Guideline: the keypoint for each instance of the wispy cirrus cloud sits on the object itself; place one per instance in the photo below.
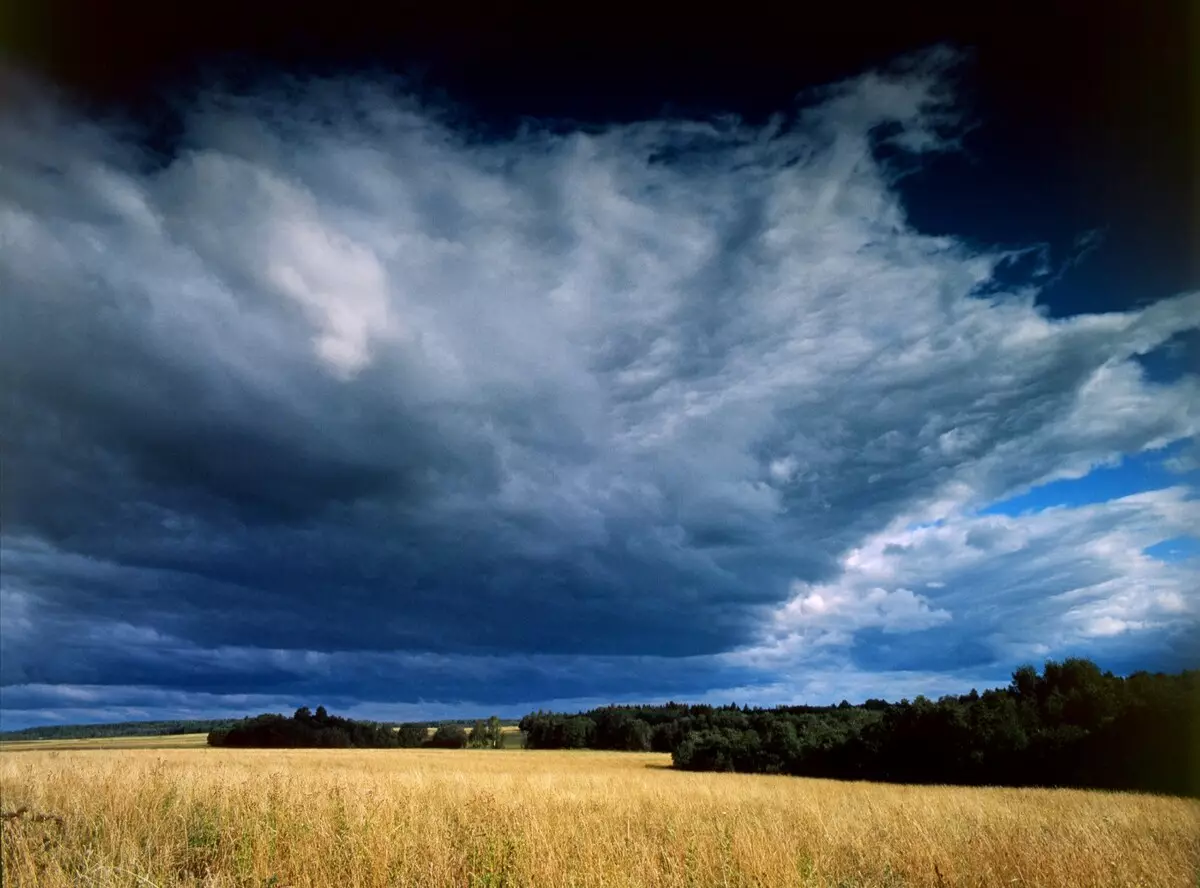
(338, 384)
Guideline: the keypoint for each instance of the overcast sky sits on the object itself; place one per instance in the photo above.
(344, 379)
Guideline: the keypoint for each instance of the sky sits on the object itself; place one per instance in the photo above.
(444, 365)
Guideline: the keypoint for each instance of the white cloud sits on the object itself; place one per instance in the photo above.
(829, 606)
(1026, 585)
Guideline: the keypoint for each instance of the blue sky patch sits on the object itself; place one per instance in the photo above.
(1180, 548)
(1134, 474)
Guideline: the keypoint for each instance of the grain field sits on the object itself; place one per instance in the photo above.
(270, 819)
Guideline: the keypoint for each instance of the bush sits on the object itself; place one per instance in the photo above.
(449, 737)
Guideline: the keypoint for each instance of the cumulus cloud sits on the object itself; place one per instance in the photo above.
(1002, 590)
(336, 378)
(828, 607)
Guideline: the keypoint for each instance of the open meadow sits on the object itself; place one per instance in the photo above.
(258, 818)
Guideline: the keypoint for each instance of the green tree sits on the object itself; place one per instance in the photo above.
(449, 737)
(412, 734)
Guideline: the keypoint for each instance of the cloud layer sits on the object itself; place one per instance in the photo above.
(339, 399)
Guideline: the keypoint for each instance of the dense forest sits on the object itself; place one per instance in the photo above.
(320, 729)
(1071, 725)
(118, 729)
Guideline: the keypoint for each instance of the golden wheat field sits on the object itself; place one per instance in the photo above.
(219, 817)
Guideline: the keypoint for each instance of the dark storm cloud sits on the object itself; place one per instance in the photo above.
(123, 654)
(336, 398)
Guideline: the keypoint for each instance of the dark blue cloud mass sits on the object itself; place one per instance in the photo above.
(341, 403)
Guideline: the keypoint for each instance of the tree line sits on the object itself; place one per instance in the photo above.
(1070, 725)
(307, 729)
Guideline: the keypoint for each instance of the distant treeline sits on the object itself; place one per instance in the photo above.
(163, 728)
(118, 729)
(1071, 725)
(320, 729)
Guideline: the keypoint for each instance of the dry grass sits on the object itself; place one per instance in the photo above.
(479, 818)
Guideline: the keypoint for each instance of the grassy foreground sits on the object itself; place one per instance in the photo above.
(220, 817)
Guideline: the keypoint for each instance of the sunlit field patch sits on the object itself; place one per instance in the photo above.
(160, 741)
(221, 817)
